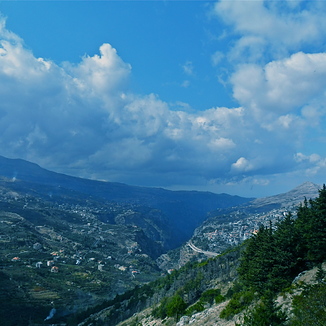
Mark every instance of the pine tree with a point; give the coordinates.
(175, 306)
(287, 247)
(309, 307)
(265, 313)
(263, 263)
(311, 225)
(317, 243)
(271, 259)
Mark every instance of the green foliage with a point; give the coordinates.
(197, 307)
(170, 307)
(160, 311)
(311, 224)
(309, 307)
(175, 306)
(265, 313)
(238, 303)
(256, 261)
(272, 258)
(321, 274)
(219, 298)
(209, 295)
(236, 287)
(203, 263)
(195, 283)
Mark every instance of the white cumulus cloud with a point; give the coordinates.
(272, 28)
(83, 119)
(242, 165)
(284, 92)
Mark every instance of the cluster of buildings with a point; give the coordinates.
(217, 236)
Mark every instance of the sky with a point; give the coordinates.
(223, 96)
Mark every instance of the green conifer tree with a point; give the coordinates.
(175, 306)
(258, 261)
(265, 313)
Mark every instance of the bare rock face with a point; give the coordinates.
(293, 197)
(183, 321)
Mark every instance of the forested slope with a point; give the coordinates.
(275, 256)
(258, 273)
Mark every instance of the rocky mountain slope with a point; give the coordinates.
(192, 280)
(210, 316)
(183, 211)
(229, 227)
(59, 252)
(268, 287)
(285, 200)
(72, 244)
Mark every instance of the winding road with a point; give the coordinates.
(207, 253)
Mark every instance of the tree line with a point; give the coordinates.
(275, 255)
(269, 262)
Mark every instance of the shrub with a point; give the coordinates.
(309, 307)
(238, 303)
(209, 295)
(175, 306)
(170, 307)
(265, 313)
(197, 307)
(219, 298)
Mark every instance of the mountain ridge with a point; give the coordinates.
(307, 189)
(100, 247)
(225, 228)
(184, 210)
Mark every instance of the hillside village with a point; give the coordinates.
(217, 236)
(62, 254)
(221, 233)
(226, 228)
(73, 253)
(79, 243)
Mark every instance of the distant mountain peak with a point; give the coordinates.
(307, 186)
(293, 197)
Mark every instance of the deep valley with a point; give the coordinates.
(68, 245)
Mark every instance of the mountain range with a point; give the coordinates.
(181, 211)
(72, 243)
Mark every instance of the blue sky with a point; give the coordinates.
(225, 96)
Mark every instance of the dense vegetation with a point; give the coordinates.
(275, 255)
(271, 260)
(173, 295)
(309, 307)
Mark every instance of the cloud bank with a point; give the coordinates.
(83, 120)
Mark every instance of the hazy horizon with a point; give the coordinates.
(225, 96)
